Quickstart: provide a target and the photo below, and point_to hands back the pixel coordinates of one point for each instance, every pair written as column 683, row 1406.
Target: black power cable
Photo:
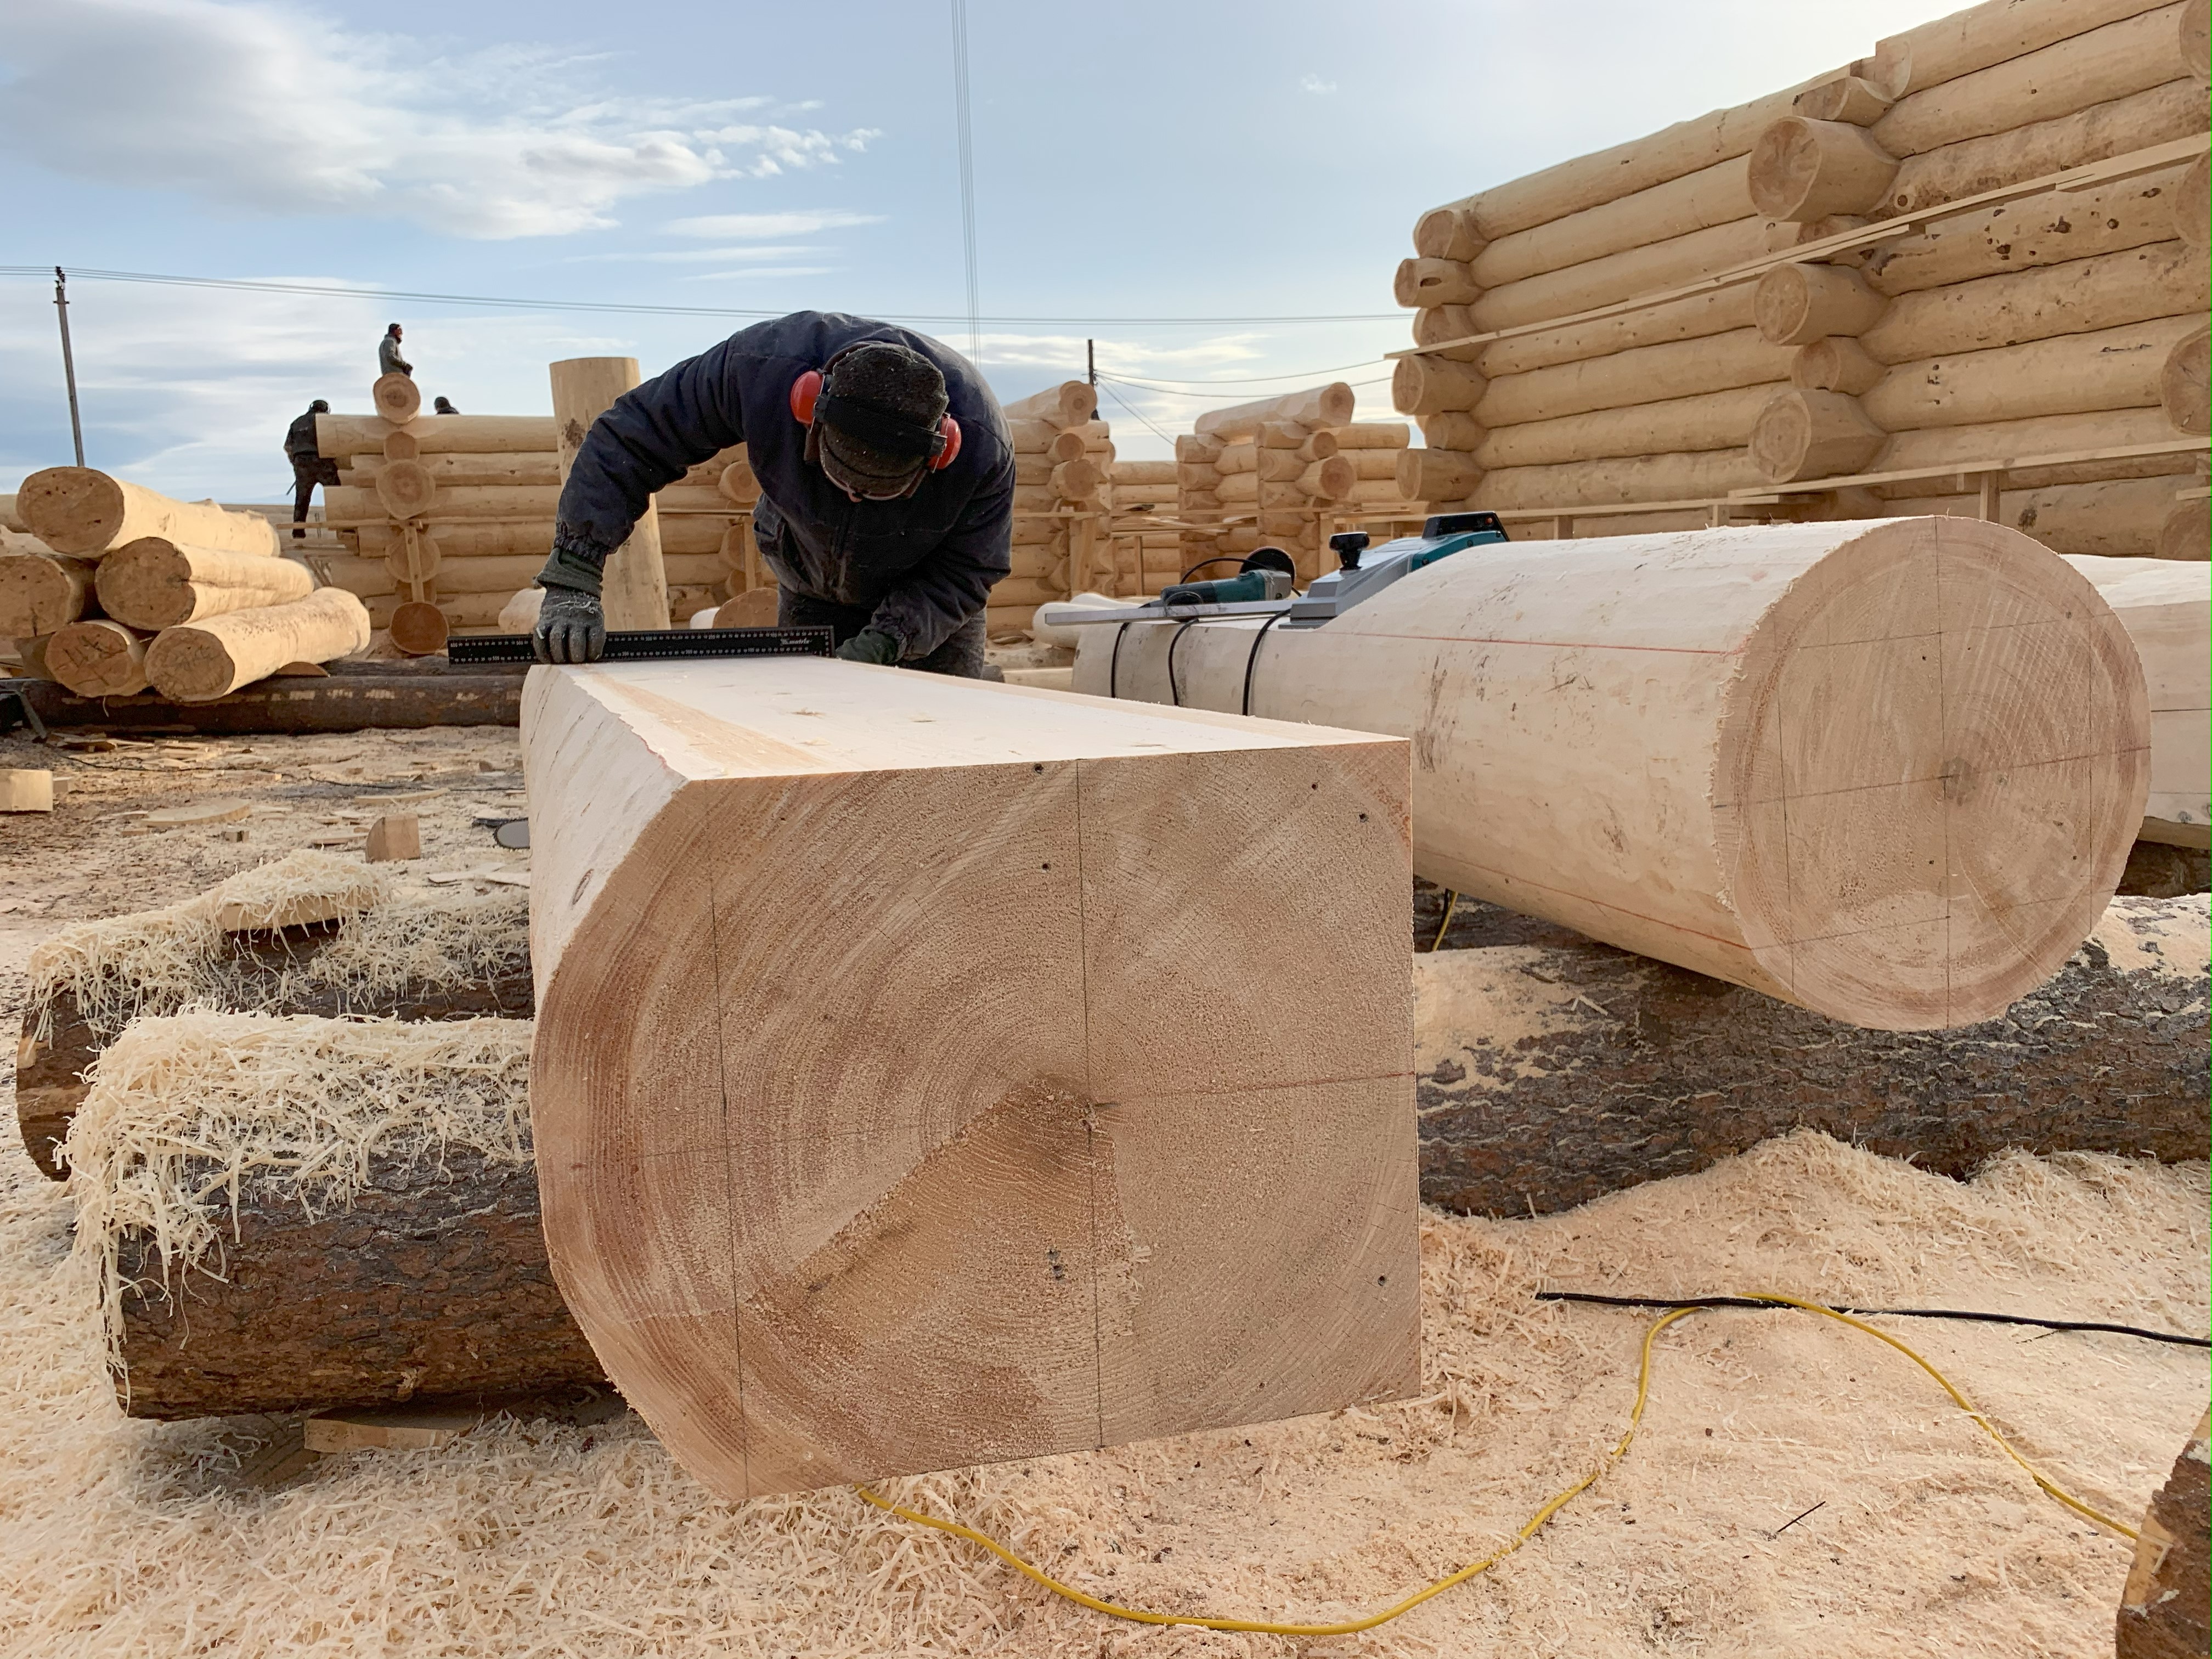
column 2177, row 1340
column 1252, row 658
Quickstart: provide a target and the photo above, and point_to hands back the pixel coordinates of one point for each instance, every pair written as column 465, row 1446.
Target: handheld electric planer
column 1263, row 587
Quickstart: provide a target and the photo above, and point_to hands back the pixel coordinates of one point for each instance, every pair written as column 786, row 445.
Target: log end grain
column 1447, row 233
column 2183, row 385
column 72, row 509
column 1802, row 433
column 1805, row 169
column 2187, row 531
column 98, row 659
column 419, row 629
column 1916, row 846
column 397, row 397
column 406, row 487
column 39, row 594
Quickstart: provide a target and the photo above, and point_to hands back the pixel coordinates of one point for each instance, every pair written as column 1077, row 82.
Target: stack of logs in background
column 1270, row 473
column 1063, row 482
column 113, row 590
column 455, row 513
column 2066, row 320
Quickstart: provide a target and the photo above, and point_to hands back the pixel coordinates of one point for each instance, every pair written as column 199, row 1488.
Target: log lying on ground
column 1552, row 1074
column 385, row 1248
column 974, row 1216
column 40, row 593
column 203, row 660
column 356, row 696
column 97, row 658
column 155, row 583
column 74, row 509
column 1907, row 831
column 2167, row 610
column 313, row 933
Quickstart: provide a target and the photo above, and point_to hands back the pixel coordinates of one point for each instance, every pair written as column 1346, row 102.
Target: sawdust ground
column 128, row 1538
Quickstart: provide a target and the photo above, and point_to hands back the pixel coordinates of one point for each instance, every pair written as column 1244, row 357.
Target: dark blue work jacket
column 924, row 565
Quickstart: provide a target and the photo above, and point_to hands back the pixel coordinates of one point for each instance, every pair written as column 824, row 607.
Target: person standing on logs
column 388, row 360
column 310, row 466
column 886, row 487
column 443, row 405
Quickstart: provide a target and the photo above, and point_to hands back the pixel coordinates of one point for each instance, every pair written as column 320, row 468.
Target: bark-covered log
column 1552, row 1073
column 356, row 696
column 50, row 1073
column 432, row 1285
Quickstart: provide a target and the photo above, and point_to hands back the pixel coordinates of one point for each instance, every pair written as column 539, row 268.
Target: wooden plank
column 921, row 1164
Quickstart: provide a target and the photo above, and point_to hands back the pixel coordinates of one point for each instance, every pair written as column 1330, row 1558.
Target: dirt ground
column 1796, row 1487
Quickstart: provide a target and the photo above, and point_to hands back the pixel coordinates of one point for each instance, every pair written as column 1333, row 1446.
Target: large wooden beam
column 1890, row 771
column 1552, row 1073
column 899, row 1036
column 2166, row 607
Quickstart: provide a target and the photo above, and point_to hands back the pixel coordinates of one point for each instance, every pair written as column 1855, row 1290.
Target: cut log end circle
column 419, row 630
column 1808, row 433
column 1911, row 871
column 1803, row 169
column 406, row 488
column 402, row 446
column 397, row 397
column 98, row 659
column 72, row 509
column 2185, row 383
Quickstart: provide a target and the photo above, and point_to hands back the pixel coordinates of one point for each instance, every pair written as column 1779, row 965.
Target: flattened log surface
column 433, row 1286
column 1548, row 1075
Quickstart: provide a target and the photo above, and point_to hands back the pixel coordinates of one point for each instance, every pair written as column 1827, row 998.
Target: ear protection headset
column 940, row 443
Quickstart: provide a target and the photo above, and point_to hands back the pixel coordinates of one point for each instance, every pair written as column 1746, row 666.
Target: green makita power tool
column 1266, row 574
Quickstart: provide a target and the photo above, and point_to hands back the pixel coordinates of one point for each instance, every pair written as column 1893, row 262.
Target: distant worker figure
column 310, row 466
column 388, row 360
column 886, row 487
column 443, row 406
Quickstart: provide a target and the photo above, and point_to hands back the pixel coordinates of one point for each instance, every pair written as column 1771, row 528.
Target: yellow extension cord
column 1351, row 1626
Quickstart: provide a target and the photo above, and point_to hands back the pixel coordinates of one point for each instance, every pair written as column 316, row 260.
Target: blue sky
column 1229, row 164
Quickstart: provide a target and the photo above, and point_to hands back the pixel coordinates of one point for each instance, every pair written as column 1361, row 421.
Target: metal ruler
column 656, row 645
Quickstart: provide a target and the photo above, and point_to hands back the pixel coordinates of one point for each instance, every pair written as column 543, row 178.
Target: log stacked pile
column 2054, row 323
column 1260, row 472
column 1063, row 473
column 1145, row 546
column 456, row 512
column 111, row 589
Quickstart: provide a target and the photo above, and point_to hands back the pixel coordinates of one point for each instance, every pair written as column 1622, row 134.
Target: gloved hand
column 871, row 645
column 571, row 627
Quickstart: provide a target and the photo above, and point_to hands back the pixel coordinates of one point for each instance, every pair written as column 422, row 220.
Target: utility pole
column 1090, row 360
column 69, row 361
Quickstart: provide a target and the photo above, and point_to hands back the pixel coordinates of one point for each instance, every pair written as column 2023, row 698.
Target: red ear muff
column 946, row 456
column 804, row 391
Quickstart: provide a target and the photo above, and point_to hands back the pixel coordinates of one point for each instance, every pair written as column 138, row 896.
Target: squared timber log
column 918, row 1081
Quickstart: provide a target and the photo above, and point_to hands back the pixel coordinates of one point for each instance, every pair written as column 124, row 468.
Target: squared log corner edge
column 931, row 1073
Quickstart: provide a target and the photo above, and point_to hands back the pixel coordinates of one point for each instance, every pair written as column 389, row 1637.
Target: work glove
column 871, row 645
column 571, row 627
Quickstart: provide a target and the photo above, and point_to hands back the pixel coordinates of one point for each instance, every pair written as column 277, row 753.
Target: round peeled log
column 2187, row 531
column 98, row 659
column 1432, row 385
column 1796, row 305
column 1803, row 170
column 1804, row 433
column 419, row 629
column 406, row 488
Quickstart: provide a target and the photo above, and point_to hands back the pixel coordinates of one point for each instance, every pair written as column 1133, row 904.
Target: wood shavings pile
column 133, row 1537
column 390, row 933
column 186, row 1109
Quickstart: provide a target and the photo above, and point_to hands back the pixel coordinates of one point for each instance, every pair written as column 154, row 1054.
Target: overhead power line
column 367, row 291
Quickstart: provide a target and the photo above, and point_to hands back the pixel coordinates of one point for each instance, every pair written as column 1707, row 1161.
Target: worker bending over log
column 886, row 487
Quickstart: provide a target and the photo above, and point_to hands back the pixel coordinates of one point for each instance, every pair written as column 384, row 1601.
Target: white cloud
column 766, row 271
column 1315, row 83
column 697, row 256
column 261, row 105
column 747, row 227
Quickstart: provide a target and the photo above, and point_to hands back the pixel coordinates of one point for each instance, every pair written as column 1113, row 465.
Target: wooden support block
column 394, row 837
column 835, row 1198
column 26, row 789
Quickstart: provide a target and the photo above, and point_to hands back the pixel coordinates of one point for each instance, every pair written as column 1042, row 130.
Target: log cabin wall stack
column 1263, row 471
column 1063, row 474
column 1145, row 555
column 475, row 495
column 2064, row 322
column 2053, row 323
column 111, row 589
